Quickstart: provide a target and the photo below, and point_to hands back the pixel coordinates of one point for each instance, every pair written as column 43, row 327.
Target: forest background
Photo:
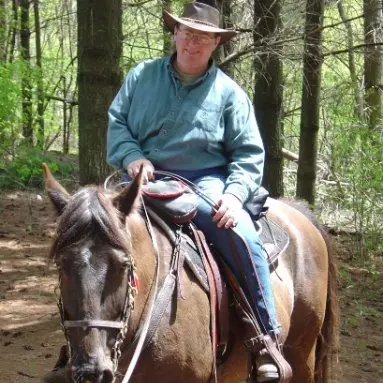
column 314, row 70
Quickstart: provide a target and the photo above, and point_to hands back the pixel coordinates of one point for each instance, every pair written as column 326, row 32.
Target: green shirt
column 209, row 123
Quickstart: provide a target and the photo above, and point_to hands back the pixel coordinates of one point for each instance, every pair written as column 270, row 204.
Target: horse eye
column 125, row 264
column 59, row 267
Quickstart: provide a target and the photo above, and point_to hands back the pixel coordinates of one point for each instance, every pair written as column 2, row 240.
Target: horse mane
column 89, row 213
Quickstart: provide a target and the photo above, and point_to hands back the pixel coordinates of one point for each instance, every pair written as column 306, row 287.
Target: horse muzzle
column 95, row 373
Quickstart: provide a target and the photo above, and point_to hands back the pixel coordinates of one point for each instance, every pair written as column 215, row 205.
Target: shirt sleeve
column 245, row 150
column 122, row 145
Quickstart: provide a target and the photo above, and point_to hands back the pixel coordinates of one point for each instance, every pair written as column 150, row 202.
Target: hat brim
column 171, row 21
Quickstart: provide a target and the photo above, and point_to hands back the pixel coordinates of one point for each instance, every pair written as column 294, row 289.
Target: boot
column 266, row 369
column 266, row 363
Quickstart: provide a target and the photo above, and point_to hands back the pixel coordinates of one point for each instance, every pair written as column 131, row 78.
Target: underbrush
column 24, row 169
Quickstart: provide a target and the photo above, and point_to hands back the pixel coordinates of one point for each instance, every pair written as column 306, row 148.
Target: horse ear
column 56, row 192
column 129, row 199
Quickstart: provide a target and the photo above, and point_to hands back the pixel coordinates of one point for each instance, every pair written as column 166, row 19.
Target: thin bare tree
column 309, row 126
column 13, row 30
column 3, row 32
column 373, row 62
column 39, row 82
column 268, row 92
column 26, row 85
column 356, row 84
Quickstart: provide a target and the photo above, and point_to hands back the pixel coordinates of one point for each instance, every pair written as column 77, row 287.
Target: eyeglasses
column 186, row 35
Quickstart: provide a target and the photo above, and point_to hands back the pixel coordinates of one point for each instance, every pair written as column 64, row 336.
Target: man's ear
column 217, row 40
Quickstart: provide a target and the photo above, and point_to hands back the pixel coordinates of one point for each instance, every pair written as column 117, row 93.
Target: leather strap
column 93, row 323
column 284, row 369
column 164, row 298
column 213, row 299
column 222, row 299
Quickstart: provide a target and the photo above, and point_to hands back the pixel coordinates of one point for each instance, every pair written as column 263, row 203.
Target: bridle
column 131, row 293
column 122, row 324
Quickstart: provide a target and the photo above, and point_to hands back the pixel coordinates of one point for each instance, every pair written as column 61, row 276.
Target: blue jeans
column 212, row 183
column 213, row 186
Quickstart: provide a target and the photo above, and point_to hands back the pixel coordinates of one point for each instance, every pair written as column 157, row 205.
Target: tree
column 309, row 126
column 13, row 31
column 99, row 77
column 373, row 62
column 358, row 94
column 40, row 90
column 3, row 32
column 26, row 86
column 166, row 5
column 225, row 7
column 268, row 92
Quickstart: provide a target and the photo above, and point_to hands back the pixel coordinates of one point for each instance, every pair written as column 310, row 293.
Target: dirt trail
column 30, row 334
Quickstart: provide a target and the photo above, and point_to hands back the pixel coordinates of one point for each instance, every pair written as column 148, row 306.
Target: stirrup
column 265, row 344
column 266, row 368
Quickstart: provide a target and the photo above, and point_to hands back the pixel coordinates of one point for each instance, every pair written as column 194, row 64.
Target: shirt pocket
column 206, row 117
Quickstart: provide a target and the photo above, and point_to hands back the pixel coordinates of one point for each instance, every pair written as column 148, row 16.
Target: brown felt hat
column 199, row 16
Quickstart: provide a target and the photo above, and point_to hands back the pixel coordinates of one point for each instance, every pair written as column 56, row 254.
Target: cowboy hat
column 199, row 16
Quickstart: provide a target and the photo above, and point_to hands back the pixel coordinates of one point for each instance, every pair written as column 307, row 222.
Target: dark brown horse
column 100, row 236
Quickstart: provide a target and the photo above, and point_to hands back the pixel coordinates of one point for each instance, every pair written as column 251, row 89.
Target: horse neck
column 145, row 259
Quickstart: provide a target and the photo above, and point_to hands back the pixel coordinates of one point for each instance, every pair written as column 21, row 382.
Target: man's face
column 194, row 47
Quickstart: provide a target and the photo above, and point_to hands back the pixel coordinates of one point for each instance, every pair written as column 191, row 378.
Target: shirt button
column 164, row 132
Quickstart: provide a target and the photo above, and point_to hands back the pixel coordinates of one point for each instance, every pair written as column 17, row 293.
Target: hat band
column 199, row 22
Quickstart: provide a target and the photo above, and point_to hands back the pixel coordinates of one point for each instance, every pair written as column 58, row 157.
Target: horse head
column 93, row 253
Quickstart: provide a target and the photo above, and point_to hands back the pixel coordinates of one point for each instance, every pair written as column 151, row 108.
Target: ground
column 30, row 333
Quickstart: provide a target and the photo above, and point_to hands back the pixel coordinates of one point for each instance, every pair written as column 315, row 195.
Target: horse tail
column 326, row 353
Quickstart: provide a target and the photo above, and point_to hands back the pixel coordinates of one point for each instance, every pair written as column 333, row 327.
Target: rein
column 139, row 342
column 192, row 186
column 128, row 308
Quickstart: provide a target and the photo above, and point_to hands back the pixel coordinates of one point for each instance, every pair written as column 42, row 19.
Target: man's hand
column 227, row 207
column 134, row 167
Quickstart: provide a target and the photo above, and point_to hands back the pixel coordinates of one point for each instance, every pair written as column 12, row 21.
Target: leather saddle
column 199, row 257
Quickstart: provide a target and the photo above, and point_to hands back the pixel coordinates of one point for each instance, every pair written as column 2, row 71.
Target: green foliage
column 358, row 159
column 25, row 168
column 9, row 102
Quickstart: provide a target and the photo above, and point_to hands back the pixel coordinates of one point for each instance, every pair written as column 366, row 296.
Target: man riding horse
column 183, row 114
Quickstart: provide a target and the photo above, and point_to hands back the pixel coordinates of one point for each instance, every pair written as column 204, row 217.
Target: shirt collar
column 212, row 68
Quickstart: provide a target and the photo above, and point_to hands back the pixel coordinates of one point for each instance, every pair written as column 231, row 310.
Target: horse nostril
column 107, row 376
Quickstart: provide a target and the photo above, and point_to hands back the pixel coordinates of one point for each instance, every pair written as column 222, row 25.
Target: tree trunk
column 167, row 47
column 268, row 93
column 40, row 89
column 26, row 86
column 3, row 32
column 225, row 7
column 99, row 78
column 13, row 31
column 358, row 94
column 65, row 130
column 373, row 62
column 312, row 65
